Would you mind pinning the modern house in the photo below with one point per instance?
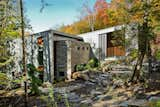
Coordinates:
(54, 53)
(102, 42)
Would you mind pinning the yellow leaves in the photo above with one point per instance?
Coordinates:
(69, 29)
(138, 17)
(115, 13)
(76, 28)
(12, 33)
(101, 8)
(99, 20)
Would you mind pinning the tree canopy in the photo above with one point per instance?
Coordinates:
(9, 27)
(117, 12)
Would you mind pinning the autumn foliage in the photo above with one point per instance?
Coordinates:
(95, 18)
(104, 14)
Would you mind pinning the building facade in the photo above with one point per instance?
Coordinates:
(102, 41)
(54, 53)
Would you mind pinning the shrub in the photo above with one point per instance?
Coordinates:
(35, 81)
(132, 56)
(157, 54)
(7, 83)
(154, 104)
(93, 63)
(80, 67)
(4, 80)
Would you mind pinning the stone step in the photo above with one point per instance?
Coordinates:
(121, 68)
(113, 69)
(134, 103)
(120, 72)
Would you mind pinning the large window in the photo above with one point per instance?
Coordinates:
(115, 44)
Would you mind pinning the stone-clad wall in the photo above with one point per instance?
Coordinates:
(80, 53)
(31, 49)
(69, 53)
(46, 53)
(131, 36)
(15, 49)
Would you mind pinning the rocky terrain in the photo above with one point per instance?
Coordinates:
(108, 88)
(104, 89)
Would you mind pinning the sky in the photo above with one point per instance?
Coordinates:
(58, 13)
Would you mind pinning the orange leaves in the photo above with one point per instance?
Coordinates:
(78, 27)
(40, 68)
(94, 18)
(101, 7)
(117, 13)
(104, 14)
(40, 41)
(68, 29)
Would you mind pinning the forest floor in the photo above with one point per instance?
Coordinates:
(91, 89)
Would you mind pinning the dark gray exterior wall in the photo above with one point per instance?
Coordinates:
(60, 60)
(49, 39)
(69, 53)
(80, 53)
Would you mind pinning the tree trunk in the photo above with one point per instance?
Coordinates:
(149, 55)
(138, 67)
(24, 54)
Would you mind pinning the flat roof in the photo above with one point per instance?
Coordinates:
(60, 34)
(67, 35)
(102, 31)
